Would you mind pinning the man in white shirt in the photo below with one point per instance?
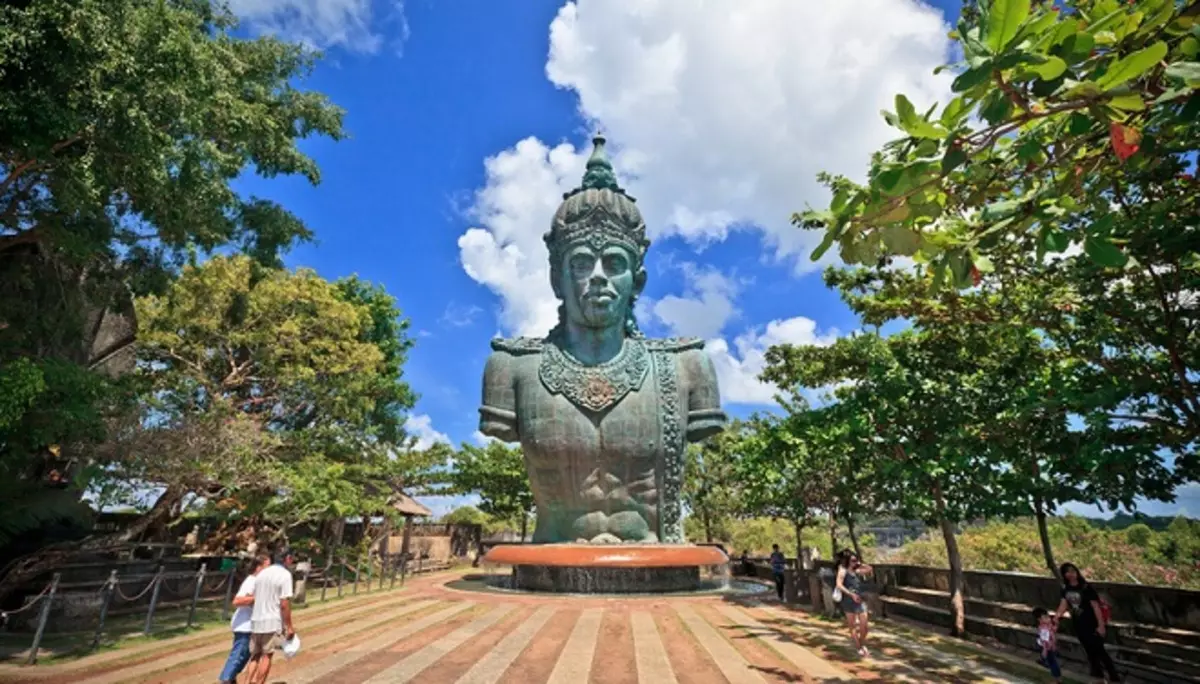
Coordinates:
(271, 616)
(243, 601)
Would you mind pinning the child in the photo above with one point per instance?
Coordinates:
(1047, 642)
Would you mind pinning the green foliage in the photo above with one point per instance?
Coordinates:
(1053, 101)
(1074, 125)
(470, 515)
(1103, 554)
(711, 490)
(757, 534)
(1139, 535)
(125, 124)
(496, 473)
(272, 392)
(127, 120)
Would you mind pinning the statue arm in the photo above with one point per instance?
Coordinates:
(705, 417)
(498, 415)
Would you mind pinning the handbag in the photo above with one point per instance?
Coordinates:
(837, 594)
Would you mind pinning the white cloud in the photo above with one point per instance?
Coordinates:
(706, 306)
(349, 24)
(459, 316)
(524, 186)
(739, 366)
(421, 426)
(481, 439)
(722, 113)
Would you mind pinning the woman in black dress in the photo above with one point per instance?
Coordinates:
(1084, 603)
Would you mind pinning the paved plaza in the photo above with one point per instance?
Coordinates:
(431, 632)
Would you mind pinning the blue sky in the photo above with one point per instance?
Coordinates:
(468, 119)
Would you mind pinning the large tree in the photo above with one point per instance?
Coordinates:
(1064, 165)
(263, 394)
(125, 124)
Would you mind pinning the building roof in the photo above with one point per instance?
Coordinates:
(406, 505)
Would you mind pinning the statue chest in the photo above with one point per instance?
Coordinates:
(552, 426)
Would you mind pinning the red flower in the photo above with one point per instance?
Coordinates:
(1125, 140)
(976, 277)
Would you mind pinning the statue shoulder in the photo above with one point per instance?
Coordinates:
(675, 345)
(518, 346)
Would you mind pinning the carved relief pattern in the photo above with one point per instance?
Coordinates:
(594, 388)
(670, 515)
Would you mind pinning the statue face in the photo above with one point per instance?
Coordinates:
(598, 287)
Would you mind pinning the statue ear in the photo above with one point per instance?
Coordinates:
(639, 280)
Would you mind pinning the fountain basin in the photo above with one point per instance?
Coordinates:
(603, 569)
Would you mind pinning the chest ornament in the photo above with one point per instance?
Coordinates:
(594, 388)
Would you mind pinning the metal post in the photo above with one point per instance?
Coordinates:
(341, 576)
(41, 628)
(383, 564)
(357, 570)
(196, 596)
(368, 572)
(154, 599)
(110, 588)
(403, 567)
(395, 562)
(227, 606)
(325, 574)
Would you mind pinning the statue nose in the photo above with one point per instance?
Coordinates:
(598, 275)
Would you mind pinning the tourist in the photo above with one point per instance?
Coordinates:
(1088, 617)
(849, 583)
(239, 655)
(778, 565)
(747, 566)
(272, 615)
(1047, 642)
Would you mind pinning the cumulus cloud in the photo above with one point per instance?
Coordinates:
(421, 426)
(704, 309)
(721, 113)
(351, 24)
(739, 365)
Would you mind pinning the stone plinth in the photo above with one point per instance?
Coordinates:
(618, 569)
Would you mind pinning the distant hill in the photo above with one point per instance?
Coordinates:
(1120, 521)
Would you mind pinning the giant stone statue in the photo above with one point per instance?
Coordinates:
(602, 413)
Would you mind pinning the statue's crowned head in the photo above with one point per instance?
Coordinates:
(597, 245)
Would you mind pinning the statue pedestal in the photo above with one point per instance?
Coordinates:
(602, 569)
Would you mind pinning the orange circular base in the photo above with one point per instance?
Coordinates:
(605, 556)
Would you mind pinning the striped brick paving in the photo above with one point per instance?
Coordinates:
(429, 633)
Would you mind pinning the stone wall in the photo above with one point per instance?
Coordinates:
(1158, 606)
(1154, 635)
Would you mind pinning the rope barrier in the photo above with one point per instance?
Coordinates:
(143, 592)
(6, 614)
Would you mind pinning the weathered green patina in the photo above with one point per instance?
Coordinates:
(601, 412)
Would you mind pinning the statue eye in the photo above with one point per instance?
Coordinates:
(615, 263)
(581, 263)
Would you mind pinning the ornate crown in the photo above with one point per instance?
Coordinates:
(598, 212)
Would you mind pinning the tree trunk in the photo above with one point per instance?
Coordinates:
(524, 525)
(957, 610)
(24, 569)
(853, 535)
(799, 544)
(833, 543)
(1039, 510)
(707, 520)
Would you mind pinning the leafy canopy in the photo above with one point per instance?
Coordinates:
(1060, 110)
